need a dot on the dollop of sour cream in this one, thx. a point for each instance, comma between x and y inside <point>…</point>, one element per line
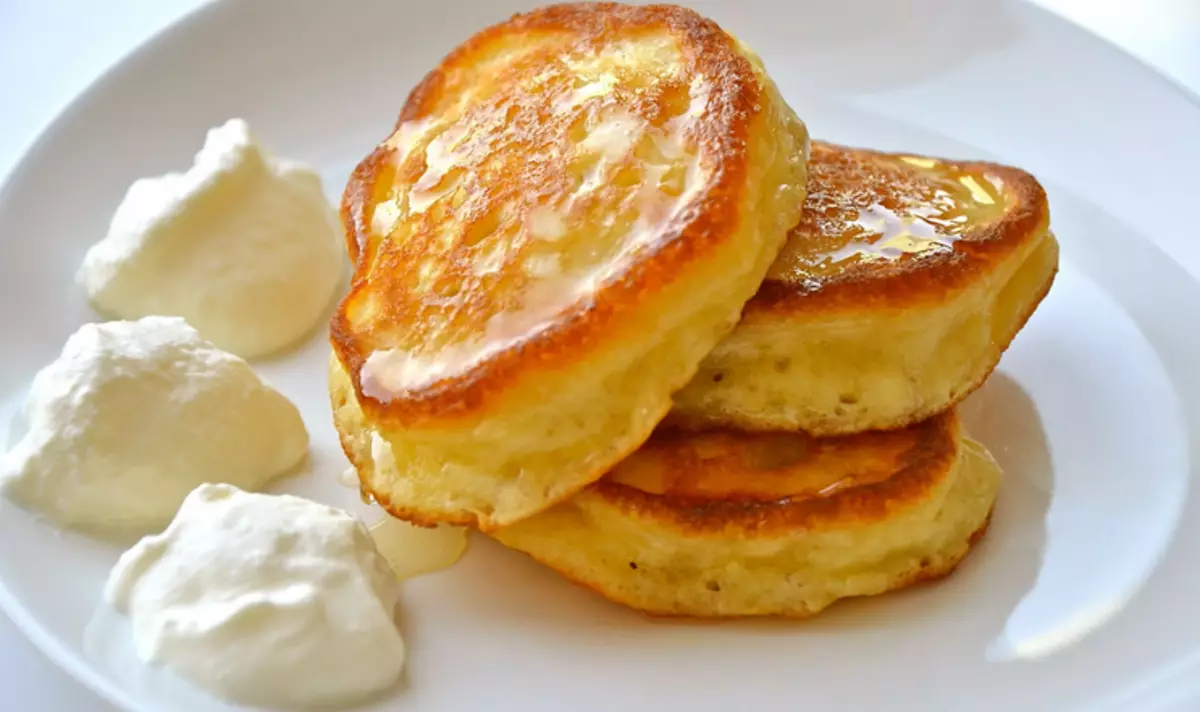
<point>269,600</point>
<point>133,415</point>
<point>243,245</point>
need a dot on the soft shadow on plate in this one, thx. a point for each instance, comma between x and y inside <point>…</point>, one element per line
<point>1003,417</point>
<point>523,594</point>
<point>13,424</point>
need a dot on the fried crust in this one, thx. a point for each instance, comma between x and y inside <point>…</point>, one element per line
<point>844,182</point>
<point>402,313</point>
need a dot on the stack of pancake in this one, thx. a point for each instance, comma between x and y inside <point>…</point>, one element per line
<point>611,307</point>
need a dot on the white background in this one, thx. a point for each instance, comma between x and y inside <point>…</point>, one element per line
<point>49,51</point>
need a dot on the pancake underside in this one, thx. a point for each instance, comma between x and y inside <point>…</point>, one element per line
<point>651,567</point>
<point>870,370</point>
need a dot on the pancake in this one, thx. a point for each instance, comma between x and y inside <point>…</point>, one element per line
<point>727,523</point>
<point>572,210</point>
<point>894,298</point>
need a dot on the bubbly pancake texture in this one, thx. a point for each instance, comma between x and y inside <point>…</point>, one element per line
<point>728,523</point>
<point>571,212</point>
<point>894,297</point>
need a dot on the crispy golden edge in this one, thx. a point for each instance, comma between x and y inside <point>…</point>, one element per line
<point>723,136</point>
<point>908,283</point>
<point>927,461</point>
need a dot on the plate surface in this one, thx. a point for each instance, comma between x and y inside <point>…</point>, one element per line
<point>1079,598</point>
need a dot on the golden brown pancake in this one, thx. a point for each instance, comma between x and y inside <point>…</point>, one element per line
<point>571,212</point>
<point>894,297</point>
<point>726,523</point>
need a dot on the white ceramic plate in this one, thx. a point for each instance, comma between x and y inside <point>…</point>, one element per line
<point>1081,597</point>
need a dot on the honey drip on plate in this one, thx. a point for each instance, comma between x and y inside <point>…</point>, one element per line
<point>411,550</point>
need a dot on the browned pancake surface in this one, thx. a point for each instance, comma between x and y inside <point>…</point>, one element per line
<point>548,175</point>
<point>895,230</point>
<point>754,482</point>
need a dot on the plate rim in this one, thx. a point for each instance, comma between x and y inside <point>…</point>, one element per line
<point>54,649</point>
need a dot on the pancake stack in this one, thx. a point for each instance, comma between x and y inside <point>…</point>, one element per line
<point>613,309</point>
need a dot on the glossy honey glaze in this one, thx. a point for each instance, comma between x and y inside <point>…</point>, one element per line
<point>865,209</point>
<point>519,194</point>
